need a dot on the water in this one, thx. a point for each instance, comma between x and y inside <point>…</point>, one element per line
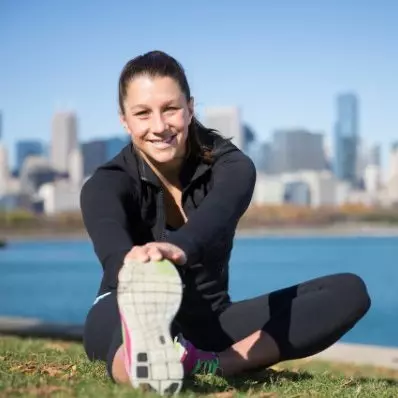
<point>57,281</point>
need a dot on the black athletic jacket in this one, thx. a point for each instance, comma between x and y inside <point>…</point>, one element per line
<point>122,205</point>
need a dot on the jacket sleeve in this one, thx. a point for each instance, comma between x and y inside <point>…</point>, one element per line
<point>234,177</point>
<point>102,200</point>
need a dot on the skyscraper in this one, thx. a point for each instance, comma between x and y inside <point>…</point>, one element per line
<point>27,148</point>
<point>63,140</point>
<point>4,171</point>
<point>299,149</point>
<point>393,161</point>
<point>94,155</point>
<point>76,167</point>
<point>346,138</point>
<point>392,178</point>
<point>227,121</point>
<point>375,155</point>
<point>261,155</point>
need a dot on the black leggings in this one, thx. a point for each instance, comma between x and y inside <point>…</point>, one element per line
<point>303,319</point>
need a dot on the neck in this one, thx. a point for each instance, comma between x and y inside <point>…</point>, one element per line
<point>168,173</point>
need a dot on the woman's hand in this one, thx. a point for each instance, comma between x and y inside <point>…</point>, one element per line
<point>156,251</point>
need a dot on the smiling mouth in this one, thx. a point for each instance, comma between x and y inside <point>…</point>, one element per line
<point>163,142</point>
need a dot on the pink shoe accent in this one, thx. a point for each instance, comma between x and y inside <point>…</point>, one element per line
<point>192,356</point>
<point>126,345</point>
<point>189,359</point>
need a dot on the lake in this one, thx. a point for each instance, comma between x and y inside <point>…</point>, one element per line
<point>57,280</point>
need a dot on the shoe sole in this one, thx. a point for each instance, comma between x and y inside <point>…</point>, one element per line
<point>149,296</point>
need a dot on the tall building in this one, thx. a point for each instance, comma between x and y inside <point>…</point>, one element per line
<point>35,172</point>
<point>262,157</point>
<point>372,175</point>
<point>63,140</point>
<point>76,168</point>
<point>346,135</point>
<point>393,161</point>
<point>362,161</point>
<point>375,155</point>
<point>27,148</point>
<point>392,179</point>
<point>94,155</point>
<point>327,150</point>
<point>294,150</point>
<point>4,171</point>
<point>226,120</point>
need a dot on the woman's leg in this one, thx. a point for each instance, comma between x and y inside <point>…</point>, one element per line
<point>103,336</point>
<point>291,323</point>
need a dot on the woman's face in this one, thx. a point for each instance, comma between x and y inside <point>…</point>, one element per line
<point>157,116</point>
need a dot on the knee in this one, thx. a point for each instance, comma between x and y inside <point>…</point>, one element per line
<point>117,368</point>
<point>355,292</point>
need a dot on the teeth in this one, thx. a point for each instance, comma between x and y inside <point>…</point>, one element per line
<point>166,140</point>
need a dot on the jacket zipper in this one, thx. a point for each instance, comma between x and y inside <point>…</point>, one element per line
<point>163,233</point>
<point>163,221</point>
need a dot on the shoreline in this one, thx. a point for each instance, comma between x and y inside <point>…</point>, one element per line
<point>336,230</point>
<point>344,230</point>
<point>360,354</point>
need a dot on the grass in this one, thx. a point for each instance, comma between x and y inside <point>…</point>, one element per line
<point>35,367</point>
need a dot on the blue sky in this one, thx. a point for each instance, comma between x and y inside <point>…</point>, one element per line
<point>281,61</point>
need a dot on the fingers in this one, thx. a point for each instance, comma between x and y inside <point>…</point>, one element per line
<point>157,251</point>
<point>138,253</point>
<point>154,253</point>
<point>178,257</point>
<point>171,252</point>
<point>145,253</point>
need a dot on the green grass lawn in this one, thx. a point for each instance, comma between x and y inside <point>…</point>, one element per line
<point>35,367</point>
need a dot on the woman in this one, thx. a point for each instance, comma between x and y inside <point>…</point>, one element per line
<point>162,216</point>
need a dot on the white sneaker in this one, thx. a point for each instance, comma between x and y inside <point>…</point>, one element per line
<point>149,296</point>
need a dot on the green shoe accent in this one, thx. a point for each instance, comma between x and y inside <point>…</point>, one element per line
<point>210,366</point>
<point>165,267</point>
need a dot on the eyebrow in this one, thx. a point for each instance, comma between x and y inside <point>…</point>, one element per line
<point>138,106</point>
<point>167,103</point>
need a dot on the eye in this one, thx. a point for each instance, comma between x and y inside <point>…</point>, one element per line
<point>171,109</point>
<point>141,113</point>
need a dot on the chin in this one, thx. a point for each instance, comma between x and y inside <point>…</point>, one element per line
<point>163,157</point>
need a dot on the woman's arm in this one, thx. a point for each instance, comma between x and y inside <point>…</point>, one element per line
<point>102,202</point>
<point>234,177</point>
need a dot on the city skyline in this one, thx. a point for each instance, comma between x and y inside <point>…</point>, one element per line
<point>297,169</point>
<point>213,117</point>
<point>281,63</point>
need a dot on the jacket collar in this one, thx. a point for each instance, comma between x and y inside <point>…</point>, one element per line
<point>192,169</point>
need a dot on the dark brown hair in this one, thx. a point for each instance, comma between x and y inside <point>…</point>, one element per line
<point>158,63</point>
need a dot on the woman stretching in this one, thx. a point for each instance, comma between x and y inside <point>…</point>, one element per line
<point>162,217</point>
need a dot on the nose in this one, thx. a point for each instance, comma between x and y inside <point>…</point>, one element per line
<point>158,125</point>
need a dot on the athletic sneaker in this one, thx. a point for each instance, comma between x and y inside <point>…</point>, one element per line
<point>149,296</point>
<point>196,361</point>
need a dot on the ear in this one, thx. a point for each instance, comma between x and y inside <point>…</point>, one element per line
<point>123,121</point>
<point>191,107</point>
